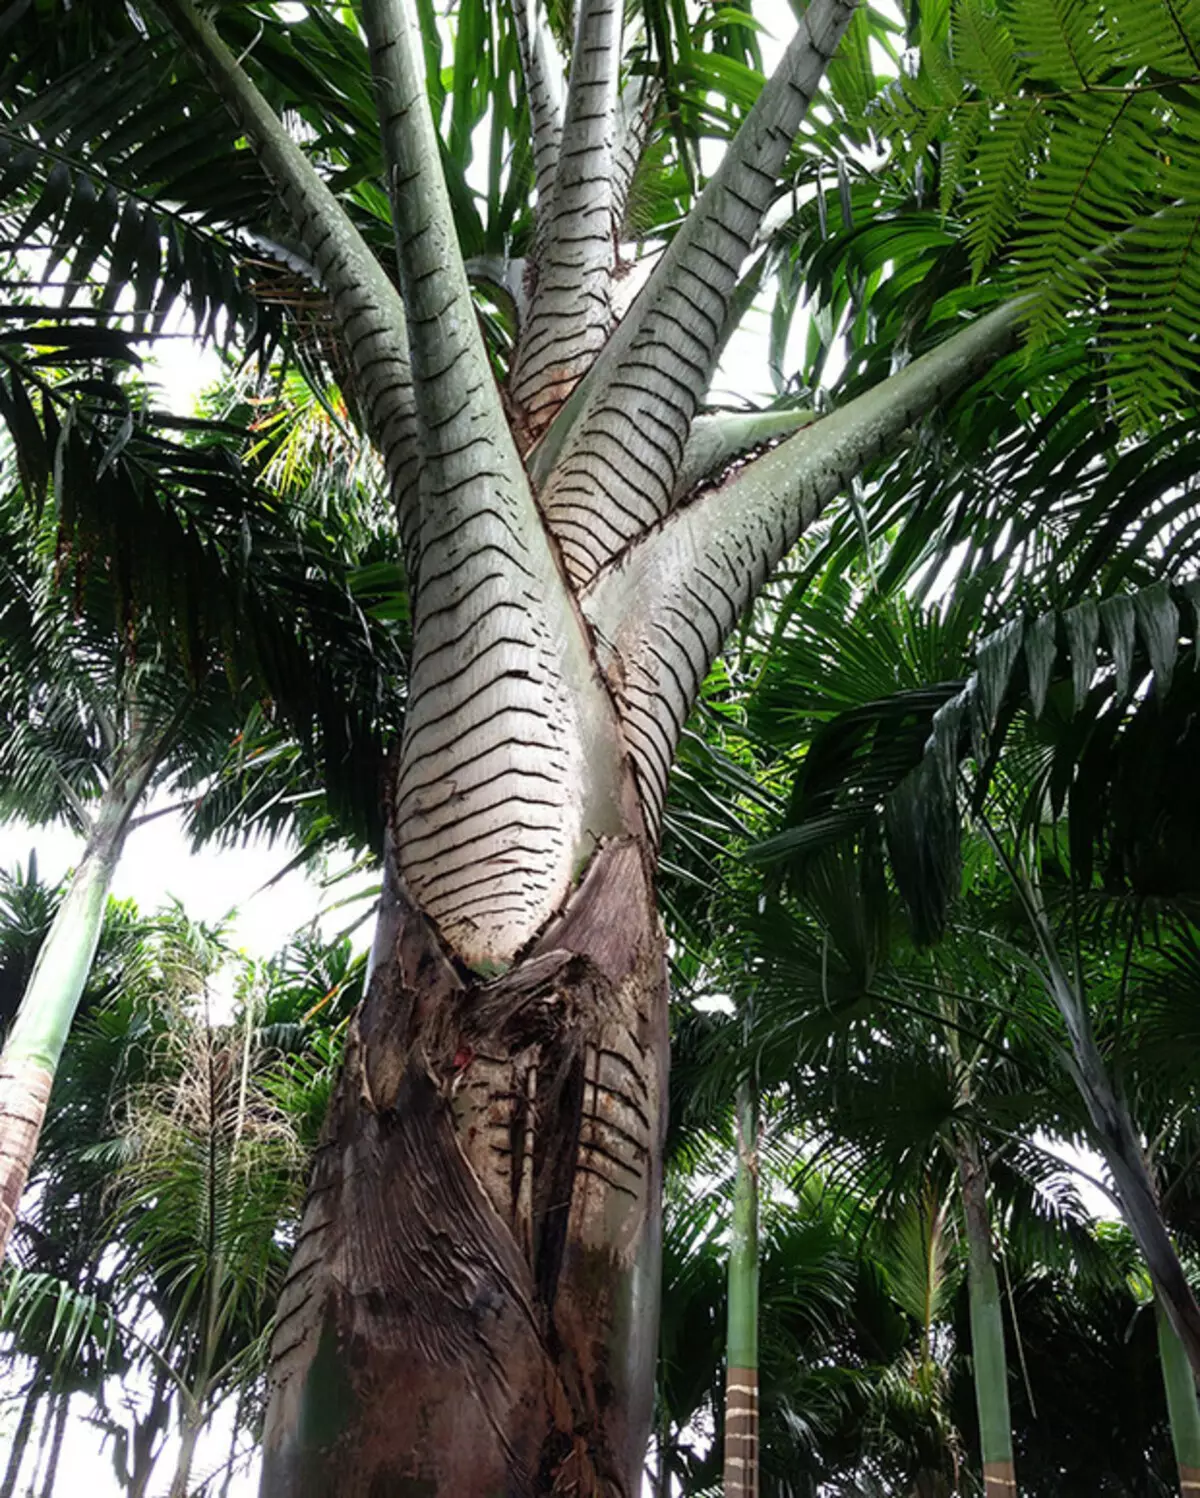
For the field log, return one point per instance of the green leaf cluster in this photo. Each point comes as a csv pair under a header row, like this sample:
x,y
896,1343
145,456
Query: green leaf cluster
x,y
1066,136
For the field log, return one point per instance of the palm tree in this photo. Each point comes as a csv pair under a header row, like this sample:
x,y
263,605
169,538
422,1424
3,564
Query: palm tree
x,y
571,584
211,1172
58,1297
170,1180
122,682
875,755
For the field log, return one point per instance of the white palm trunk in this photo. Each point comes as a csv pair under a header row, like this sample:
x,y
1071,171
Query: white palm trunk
x,y
472,1304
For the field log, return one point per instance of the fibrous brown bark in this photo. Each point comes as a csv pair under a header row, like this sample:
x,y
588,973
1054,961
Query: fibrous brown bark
x,y
472,1308
24,1096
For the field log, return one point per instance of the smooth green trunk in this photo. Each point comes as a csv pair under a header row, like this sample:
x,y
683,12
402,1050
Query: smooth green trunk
x,y
741,1376
39,1032
43,1021
1182,1406
987,1327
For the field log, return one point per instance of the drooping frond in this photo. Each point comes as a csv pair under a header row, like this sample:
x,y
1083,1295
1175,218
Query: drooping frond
x,y
1111,761
111,231
167,573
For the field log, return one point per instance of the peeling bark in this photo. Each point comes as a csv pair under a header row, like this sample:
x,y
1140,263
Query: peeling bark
x,y
472,1307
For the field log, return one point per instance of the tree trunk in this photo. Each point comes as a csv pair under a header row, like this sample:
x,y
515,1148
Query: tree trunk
x,y
741,1371
62,1410
146,1432
987,1327
39,1032
1138,1199
181,1481
472,1307
20,1441
1120,1144
1182,1406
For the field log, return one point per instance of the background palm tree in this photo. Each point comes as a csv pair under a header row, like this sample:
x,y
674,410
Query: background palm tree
x,y
139,666
167,1190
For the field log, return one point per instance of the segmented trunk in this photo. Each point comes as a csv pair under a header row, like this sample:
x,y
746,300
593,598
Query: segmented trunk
x,y
472,1308
1182,1406
741,1372
987,1328
472,1304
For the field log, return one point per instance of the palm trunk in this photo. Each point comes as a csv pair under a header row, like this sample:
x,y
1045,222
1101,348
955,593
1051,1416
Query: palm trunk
x,y
741,1373
987,1328
1182,1406
472,1307
50,1476
145,1435
20,1441
1137,1195
181,1481
39,1032
1116,1136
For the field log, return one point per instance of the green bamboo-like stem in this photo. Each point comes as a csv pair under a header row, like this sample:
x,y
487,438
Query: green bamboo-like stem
x,y
741,1372
39,1031
1183,1408
987,1327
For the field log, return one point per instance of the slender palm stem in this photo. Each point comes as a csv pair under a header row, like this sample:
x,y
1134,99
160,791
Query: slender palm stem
x,y
59,1430
24,1430
39,1031
987,1327
1183,1408
741,1372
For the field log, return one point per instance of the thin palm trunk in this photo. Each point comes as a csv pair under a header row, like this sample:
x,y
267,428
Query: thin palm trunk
x,y
1182,1405
16,1455
987,1327
146,1432
181,1480
50,1475
1114,1131
39,1031
741,1372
